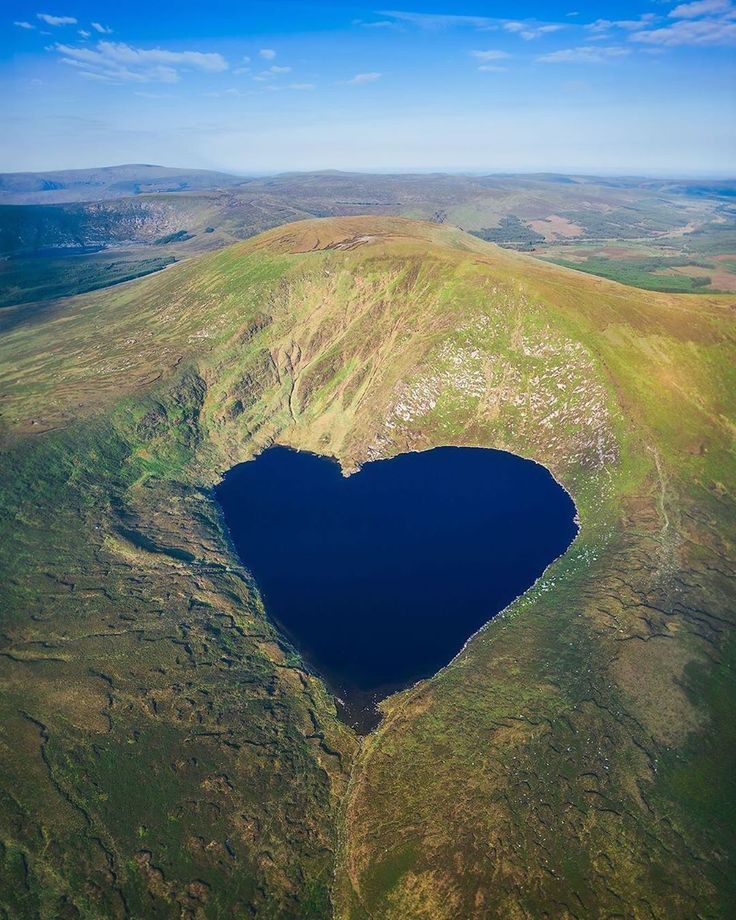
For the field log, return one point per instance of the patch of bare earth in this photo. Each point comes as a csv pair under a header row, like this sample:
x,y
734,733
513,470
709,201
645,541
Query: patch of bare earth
x,y
555,227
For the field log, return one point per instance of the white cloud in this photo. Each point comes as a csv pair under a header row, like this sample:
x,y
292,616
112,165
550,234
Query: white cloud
x,y
690,32
267,53
585,54
438,20
630,25
700,8
226,93
380,24
490,55
24,25
699,23
301,86
365,78
116,62
528,29
539,31
84,33
487,56
98,27
270,73
56,20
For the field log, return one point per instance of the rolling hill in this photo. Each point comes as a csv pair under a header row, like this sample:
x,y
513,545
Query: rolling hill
x,y
166,752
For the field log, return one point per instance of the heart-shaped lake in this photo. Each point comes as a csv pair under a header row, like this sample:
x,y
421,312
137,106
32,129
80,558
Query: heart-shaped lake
x,y
379,578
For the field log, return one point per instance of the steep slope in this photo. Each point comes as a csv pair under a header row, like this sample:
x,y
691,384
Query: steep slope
x,y
164,750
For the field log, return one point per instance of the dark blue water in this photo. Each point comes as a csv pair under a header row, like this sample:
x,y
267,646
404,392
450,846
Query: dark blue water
x,y
380,578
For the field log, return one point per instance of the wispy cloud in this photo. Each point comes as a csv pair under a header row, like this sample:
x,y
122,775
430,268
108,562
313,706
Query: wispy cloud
x,y
701,8
301,87
378,24
437,20
527,29
630,25
228,93
365,78
490,55
104,30
690,32
701,23
584,54
267,54
56,20
116,62
84,33
272,72
487,57
24,25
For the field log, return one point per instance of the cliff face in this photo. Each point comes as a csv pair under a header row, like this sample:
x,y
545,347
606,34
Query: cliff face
x,y
165,751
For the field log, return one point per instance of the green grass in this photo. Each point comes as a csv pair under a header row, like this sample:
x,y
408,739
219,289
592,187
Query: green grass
x,y
646,273
27,280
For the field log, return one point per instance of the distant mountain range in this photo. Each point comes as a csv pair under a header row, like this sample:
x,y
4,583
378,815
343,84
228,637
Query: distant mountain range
x,y
110,182
106,182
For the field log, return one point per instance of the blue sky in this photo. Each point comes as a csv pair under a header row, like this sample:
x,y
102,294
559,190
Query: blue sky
x,y
646,86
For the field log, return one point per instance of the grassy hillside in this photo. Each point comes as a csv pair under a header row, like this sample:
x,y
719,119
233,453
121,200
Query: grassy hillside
x,y
165,752
38,282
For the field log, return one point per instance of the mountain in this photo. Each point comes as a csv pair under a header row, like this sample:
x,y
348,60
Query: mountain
x,y
165,751
105,183
675,236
